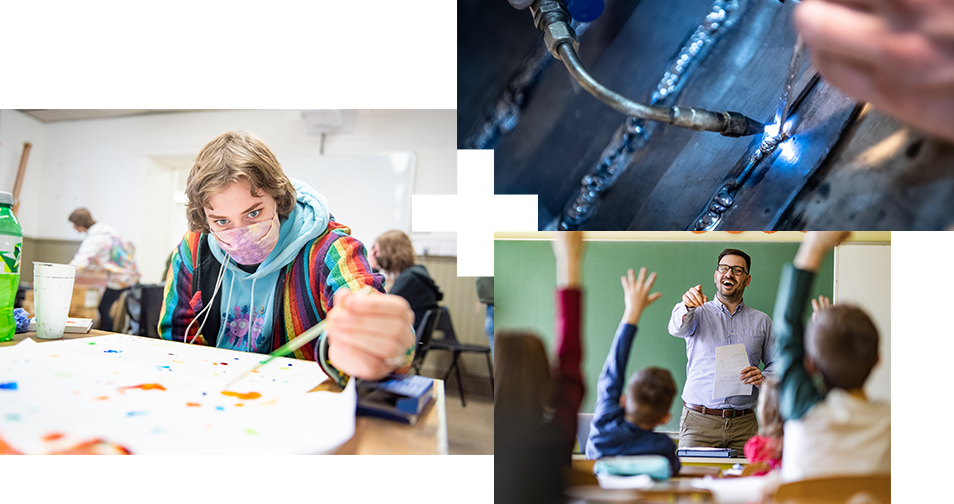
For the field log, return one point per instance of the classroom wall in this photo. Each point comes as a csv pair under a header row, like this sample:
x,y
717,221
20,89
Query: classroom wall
x,y
55,251
15,129
118,167
863,278
525,281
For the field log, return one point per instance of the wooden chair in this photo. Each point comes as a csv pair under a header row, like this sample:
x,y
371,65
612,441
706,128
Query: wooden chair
x,y
841,489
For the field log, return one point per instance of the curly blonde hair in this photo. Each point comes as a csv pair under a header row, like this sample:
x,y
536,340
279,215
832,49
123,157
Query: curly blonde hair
x,y
231,157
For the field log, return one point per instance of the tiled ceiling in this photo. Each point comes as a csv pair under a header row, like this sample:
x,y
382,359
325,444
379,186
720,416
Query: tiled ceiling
x,y
57,115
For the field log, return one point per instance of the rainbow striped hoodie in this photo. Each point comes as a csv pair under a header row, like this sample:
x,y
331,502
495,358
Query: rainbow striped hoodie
x,y
289,292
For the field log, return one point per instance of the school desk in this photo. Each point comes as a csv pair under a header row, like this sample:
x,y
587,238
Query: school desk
x,y
692,467
372,436
671,491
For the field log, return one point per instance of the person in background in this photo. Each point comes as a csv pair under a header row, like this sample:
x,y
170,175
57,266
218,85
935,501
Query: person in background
x,y
485,293
103,249
393,254
725,422
627,427
535,408
834,429
264,261
766,446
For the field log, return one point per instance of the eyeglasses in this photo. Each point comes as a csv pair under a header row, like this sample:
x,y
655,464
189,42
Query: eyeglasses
x,y
736,270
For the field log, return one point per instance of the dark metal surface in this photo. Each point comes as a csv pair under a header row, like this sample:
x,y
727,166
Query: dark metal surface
x,y
763,185
553,20
634,134
882,175
500,56
564,135
564,129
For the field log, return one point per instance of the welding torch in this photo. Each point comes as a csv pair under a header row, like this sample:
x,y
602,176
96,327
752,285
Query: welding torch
x,y
552,18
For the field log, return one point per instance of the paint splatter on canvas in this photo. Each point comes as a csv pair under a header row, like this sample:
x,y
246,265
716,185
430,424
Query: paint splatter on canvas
x,y
152,396
240,395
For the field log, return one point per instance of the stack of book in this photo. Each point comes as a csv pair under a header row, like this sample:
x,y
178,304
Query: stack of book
x,y
401,398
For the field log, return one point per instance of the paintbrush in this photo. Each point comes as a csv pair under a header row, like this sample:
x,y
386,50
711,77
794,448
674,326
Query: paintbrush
x,y
296,343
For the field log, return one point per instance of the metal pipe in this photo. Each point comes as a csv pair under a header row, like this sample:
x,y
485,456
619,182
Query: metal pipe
x,y
551,17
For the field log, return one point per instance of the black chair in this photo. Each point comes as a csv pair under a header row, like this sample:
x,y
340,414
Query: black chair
x,y
450,343
143,303
424,333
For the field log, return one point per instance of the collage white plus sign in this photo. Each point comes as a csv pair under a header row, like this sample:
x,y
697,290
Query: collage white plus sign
x,y
475,212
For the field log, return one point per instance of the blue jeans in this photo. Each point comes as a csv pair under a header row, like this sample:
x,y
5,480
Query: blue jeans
x,y
489,328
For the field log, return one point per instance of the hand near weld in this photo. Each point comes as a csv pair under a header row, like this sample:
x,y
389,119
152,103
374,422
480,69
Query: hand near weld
x,y
896,54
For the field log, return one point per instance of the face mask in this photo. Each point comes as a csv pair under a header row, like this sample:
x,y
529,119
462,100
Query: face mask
x,y
250,244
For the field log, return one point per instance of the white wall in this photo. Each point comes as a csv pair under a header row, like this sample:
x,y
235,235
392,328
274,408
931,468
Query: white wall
x,y
863,278
122,168
16,128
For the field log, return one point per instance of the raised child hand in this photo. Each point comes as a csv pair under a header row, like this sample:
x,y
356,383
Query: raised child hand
x,y
814,247
568,244
636,296
820,305
568,248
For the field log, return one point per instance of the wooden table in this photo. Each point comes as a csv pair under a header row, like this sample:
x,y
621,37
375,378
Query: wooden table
x,y
677,489
691,466
372,436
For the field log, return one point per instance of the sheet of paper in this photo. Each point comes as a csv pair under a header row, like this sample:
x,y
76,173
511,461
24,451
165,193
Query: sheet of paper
x,y
611,481
730,361
157,396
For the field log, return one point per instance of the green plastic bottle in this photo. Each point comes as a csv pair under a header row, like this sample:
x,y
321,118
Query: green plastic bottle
x,y
11,238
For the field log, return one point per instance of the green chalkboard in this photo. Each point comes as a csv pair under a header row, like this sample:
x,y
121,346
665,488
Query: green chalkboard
x,y
525,278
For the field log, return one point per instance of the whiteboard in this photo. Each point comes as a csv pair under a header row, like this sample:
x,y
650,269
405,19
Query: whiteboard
x,y
370,193
863,278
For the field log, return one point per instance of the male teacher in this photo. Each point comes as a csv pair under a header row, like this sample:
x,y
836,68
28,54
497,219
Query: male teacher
x,y
725,422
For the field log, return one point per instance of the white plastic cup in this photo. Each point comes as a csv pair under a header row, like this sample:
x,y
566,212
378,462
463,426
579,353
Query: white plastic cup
x,y
52,292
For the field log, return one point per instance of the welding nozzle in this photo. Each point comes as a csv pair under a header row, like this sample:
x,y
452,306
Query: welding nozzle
x,y
739,125
730,124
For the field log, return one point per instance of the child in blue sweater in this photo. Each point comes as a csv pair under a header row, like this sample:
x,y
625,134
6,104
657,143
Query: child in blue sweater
x,y
626,427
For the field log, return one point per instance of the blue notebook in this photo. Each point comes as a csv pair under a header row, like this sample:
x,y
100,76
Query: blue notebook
x,y
399,398
703,451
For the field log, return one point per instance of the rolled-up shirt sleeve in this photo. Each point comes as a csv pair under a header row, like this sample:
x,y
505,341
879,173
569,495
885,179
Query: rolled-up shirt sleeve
x,y
682,324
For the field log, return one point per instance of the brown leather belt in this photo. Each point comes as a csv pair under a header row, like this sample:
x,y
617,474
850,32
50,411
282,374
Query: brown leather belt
x,y
724,413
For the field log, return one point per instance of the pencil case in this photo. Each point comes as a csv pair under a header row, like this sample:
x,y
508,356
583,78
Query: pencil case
x,y
656,466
